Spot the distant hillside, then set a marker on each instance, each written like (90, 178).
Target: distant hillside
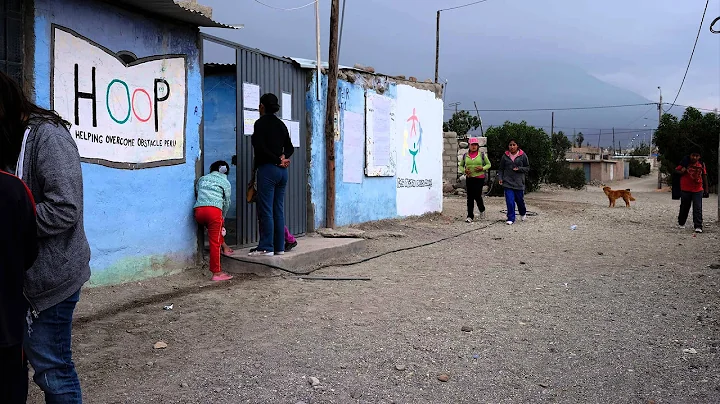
(513, 83)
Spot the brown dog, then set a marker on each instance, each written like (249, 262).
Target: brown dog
(614, 195)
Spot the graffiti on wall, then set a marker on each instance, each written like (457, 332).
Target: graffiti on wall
(419, 169)
(123, 115)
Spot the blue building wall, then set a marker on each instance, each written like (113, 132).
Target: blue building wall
(139, 222)
(220, 120)
(375, 197)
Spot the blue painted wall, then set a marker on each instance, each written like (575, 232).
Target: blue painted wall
(220, 120)
(139, 222)
(375, 197)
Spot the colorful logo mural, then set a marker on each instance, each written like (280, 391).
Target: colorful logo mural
(412, 139)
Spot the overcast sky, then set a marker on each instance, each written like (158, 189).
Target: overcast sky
(634, 44)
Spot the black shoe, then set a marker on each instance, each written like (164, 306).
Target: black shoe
(253, 249)
(290, 246)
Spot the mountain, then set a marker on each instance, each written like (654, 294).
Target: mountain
(517, 83)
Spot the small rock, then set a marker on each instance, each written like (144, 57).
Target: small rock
(543, 385)
(314, 381)
(184, 385)
(149, 363)
(400, 367)
(355, 394)
(522, 263)
(218, 390)
(466, 328)
(476, 356)
(463, 145)
(600, 253)
(690, 351)
(443, 378)
(714, 266)
(160, 345)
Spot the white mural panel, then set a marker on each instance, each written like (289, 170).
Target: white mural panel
(419, 145)
(123, 115)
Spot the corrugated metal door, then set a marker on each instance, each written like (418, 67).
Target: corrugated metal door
(11, 38)
(274, 75)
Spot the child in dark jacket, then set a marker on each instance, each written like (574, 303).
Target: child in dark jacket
(514, 165)
(18, 250)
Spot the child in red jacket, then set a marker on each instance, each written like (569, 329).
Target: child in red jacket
(693, 187)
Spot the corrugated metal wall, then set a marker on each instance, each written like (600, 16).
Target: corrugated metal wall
(274, 75)
(11, 38)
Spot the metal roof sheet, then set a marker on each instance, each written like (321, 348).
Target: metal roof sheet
(171, 9)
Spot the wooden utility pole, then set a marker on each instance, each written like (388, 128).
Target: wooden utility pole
(331, 100)
(552, 124)
(613, 143)
(477, 111)
(599, 149)
(437, 46)
(659, 186)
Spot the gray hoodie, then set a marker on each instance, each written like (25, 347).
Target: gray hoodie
(514, 179)
(51, 169)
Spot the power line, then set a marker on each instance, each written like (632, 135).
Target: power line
(558, 109)
(287, 9)
(689, 106)
(691, 56)
(467, 5)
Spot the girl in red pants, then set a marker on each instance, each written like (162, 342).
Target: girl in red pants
(213, 201)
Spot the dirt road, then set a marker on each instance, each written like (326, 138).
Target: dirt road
(624, 309)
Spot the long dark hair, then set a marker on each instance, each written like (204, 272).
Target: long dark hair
(16, 111)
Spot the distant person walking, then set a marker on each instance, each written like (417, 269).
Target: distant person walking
(273, 148)
(18, 250)
(213, 202)
(693, 187)
(514, 165)
(36, 145)
(476, 165)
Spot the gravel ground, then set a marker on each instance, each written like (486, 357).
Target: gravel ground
(624, 309)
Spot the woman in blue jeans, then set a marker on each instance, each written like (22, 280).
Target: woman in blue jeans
(36, 145)
(514, 166)
(273, 148)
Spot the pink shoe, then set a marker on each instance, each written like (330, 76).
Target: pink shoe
(222, 276)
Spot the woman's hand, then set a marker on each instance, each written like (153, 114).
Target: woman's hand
(499, 182)
(515, 169)
(285, 163)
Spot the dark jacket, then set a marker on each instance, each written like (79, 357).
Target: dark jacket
(52, 172)
(271, 140)
(514, 179)
(18, 250)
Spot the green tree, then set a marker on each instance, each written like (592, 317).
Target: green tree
(579, 139)
(533, 141)
(461, 123)
(560, 172)
(675, 139)
(560, 145)
(642, 150)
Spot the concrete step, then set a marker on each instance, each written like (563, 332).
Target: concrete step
(310, 251)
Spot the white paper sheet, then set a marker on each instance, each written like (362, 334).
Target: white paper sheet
(381, 131)
(353, 147)
(286, 106)
(249, 118)
(251, 96)
(294, 129)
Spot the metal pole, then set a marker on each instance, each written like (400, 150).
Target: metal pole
(318, 84)
(613, 143)
(437, 45)
(552, 124)
(330, 113)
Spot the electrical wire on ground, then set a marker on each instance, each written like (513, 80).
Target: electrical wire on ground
(285, 9)
(364, 260)
(691, 56)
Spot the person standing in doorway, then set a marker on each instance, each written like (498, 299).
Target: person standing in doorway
(693, 187)
(476, 165)
(213, 202)
(18, 250)
(273, 148)
(514, 165)
(38, 148)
